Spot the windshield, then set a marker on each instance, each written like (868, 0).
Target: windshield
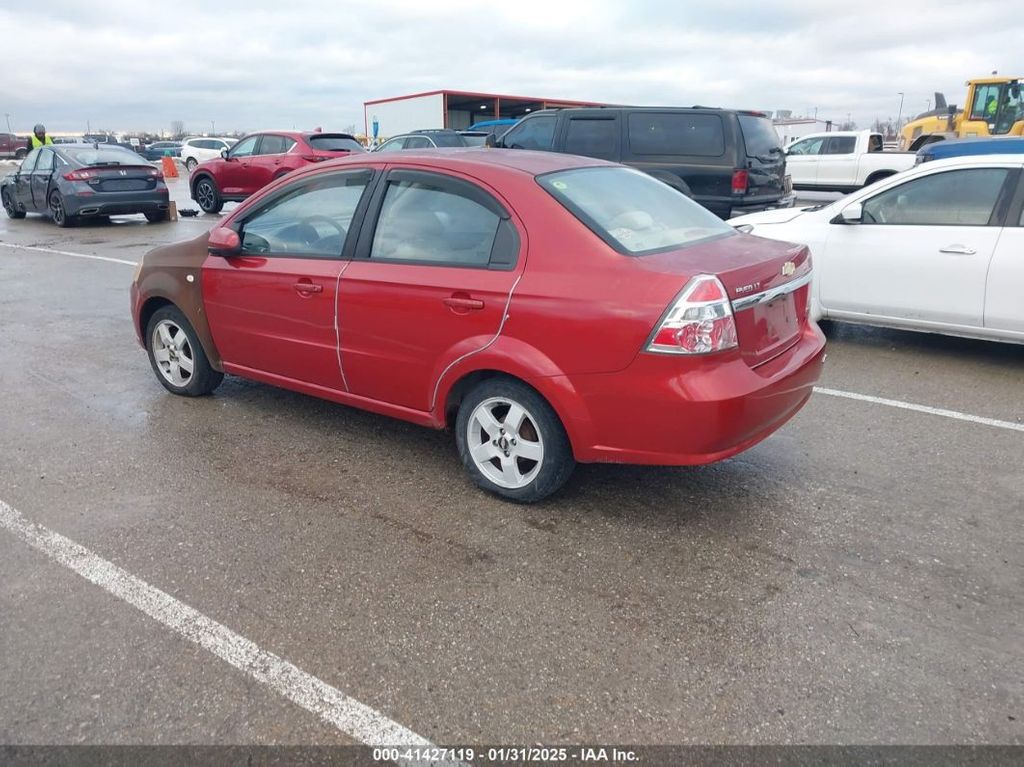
(631, 211)
(328, 143)
(759, 135)
(105, 155)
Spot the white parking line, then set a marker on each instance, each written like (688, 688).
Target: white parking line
(921, 409)
(355, 719)
(68, 253)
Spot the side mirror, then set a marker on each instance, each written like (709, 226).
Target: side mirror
(224, 242)
(852, 214)
(224, 153)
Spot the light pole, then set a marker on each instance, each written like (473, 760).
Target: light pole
(8, 116)
(213, 131)
(899, 116)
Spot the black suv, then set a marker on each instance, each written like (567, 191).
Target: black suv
(731, 162)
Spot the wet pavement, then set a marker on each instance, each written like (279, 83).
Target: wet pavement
(856, 578)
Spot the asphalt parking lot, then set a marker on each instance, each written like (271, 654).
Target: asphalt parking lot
(854, 579)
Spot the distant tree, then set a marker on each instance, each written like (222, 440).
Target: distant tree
(350, 129)
(178, 129)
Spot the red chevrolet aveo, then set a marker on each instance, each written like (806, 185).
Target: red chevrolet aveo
(549, 308)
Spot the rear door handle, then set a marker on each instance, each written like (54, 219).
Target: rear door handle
(959, 250)
(464, 303)
(308, 287)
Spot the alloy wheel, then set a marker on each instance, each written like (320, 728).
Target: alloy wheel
(505, 443)
(206, 196)
(173, 353)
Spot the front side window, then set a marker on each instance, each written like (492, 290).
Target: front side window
(592, 138)
(807, 146)
(986, 102)
(632, 212)
(312, 219)
(274, 144)
(840, 145)
(245, 147)
(963, 197)
(394, 145)
(431, 224)
(30, 161)
(533, 133)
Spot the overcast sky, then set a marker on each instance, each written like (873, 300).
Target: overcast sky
(119, 65)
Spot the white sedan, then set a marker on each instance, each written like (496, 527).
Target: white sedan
(938, 248)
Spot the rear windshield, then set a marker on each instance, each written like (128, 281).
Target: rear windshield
(447, 139)
(105, 155)
(328, 143)
(631, 211)
(474, 139)
(760, 137)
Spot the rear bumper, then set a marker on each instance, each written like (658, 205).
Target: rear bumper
(725, 207)
(116, 203)
(672, 411)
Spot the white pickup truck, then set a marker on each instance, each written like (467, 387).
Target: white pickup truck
(842, 161)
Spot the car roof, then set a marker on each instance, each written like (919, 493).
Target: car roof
(975, 160)
(471, 158)
(986, 144)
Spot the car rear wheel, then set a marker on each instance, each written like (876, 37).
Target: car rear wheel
(191, 163)
(512, 442)
(9, 206)
(207, 196)
(58, 213)
(177, 356)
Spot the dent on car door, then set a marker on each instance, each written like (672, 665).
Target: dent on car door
(1004, 305)
(272, 307)
(921, 252)
(431, 279)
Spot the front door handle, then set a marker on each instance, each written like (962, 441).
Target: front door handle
(463, 303)
(308, 288)
(959, 250)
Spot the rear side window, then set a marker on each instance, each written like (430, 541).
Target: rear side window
(328, 143)
(759, 135)
(665, 133)
(431, 224)
(593, 138)
(273, 144)
(533, 133)
(840, 145)
(632, 212)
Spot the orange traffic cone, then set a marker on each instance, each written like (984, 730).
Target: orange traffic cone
(170, 169)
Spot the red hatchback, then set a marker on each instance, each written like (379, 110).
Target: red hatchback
(549, 308)
(258, 159)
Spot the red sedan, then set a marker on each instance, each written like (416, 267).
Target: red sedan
(549, 308)
(258, 159)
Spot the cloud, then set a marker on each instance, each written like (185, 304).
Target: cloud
(241, 66)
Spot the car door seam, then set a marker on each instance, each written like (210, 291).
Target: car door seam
(467, 355)
(337, 323)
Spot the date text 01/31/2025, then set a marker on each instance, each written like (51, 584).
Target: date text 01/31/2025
(504, 754)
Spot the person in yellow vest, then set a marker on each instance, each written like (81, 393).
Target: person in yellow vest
(38, 137)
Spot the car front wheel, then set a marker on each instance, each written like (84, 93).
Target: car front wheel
(512, 442)
(207, 195)
(177, 356)
(10, 207)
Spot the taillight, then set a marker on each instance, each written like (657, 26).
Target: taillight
(155, 174)
(82, 174)
(699, 322)
(740, 181)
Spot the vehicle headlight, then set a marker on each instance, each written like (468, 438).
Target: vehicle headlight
(138, 271)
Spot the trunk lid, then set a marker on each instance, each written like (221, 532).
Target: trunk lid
(768, 284)
(123, 178)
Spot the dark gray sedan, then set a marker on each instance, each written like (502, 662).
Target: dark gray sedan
(69, 182)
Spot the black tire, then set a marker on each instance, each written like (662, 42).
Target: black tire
(58, 213)
(191, 163)
(155, 217)
(207, 195)
(545, 476)
(12, 211)
(202, 379)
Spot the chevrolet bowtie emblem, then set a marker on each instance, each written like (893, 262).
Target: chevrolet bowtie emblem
(788, 268)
